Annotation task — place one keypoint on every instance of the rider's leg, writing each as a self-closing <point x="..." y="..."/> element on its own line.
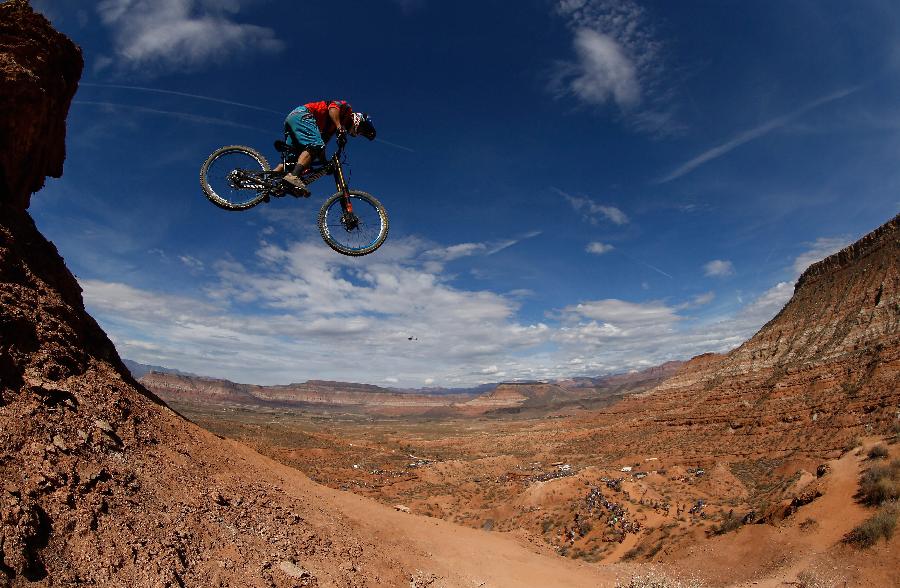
<point x="302" y="163"/>
<point x="293" y="177"/>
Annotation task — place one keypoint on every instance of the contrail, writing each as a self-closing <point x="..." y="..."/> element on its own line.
<point x="654" y="268"/>
<point x="751" y="134"/>
<point x="395" y="145"/>
<point x="184" y="94"/>
<point x="644" y="263"/>
<point x="211" y="99"/>
<point x="174" y="114"/>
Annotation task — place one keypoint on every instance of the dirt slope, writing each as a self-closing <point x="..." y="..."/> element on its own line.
<point x="103" y="485"/>
<point x="823" y="370"/>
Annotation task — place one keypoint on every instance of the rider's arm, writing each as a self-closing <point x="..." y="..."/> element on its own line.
<point x="335" y="113"/>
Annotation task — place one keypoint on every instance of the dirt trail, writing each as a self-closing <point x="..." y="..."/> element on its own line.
<point x="764" y="556"/>
<point x="445" y="553"/>
<point x="838" y="507"/>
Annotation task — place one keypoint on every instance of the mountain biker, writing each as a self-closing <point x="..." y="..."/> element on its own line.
<point x="307" y="128"/>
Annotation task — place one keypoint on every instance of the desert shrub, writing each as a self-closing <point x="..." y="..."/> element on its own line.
<point x="878" y="452"/>
<point x="546" y="526"/>
<point x="880" y="484"/>
<point x="585" y="526"/>
<point x="729" y="523"/>
<point x="633" y="553"/>
<point x="881" y="524"/>
<point x="809" y="524"/>
<point x="852" y="443"/>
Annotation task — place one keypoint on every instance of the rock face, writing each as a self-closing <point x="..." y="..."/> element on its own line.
<point x="39" y="72"/>
<point x="365" y="398"/>
<point x="826" y="368"/>
<point x="99" y="481"/>
<point x="312" y="394"/>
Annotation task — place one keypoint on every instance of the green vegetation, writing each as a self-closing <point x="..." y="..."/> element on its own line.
<point x="881" y="524"/>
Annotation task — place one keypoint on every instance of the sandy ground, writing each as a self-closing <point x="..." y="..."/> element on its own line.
<point x="455" y="555"/>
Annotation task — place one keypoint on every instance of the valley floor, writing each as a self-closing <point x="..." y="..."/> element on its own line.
<point x="503" y="503"/>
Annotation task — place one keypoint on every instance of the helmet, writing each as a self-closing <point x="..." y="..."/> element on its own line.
<point x="362" y="125"/>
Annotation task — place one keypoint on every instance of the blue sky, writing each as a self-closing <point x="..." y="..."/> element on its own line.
<point x="574" y="187"/>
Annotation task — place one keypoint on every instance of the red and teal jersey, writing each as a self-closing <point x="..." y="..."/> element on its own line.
<point x="323" y="119"/>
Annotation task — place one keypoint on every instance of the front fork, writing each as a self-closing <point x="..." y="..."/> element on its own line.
<point x="341" y="184"/>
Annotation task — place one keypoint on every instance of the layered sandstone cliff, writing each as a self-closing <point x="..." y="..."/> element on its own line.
<point x="825" y="369"/>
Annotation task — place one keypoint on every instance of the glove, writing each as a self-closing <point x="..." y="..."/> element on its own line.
<point x="341" y="137"/>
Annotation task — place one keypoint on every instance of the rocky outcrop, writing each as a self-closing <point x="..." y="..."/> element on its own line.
<point x="823" y="370"/>
<point x="39" y="72"/>
<point x="100" y="483"/>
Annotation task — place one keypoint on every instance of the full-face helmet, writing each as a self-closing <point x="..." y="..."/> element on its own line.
<point x="362" y="125"/>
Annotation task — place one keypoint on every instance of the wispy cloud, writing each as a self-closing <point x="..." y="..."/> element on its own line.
<point x="182" y="94"/>
<point x="598" y="248"/>
<point x="180" y="35"/>
<point x="752" y="134"/>
<point x="185" y="116"/>
<point x="618" y="60"/>
<point x="593" y="211"/>
<point x="718" y="268"/>
<point x="459" y="250"/>
<point x="301" y="300"/>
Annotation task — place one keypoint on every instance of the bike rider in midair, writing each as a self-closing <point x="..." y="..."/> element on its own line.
<point x="307" y="128"/>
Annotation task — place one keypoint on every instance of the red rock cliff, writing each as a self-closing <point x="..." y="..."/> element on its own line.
<point x="100" y="484"/>
<point x="39" y="73"/>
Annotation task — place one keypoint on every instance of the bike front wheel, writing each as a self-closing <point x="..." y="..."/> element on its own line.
<point x="231" y="177"/>
<point x="355" y="233"/>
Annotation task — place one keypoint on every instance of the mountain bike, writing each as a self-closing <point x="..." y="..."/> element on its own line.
<point x="351" y="222"/>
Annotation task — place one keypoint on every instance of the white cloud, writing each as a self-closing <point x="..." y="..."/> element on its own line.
<point x="718" y="268"/>
<point x="702" y="299"/>
<point x="603" y="72"/>
<point x="623" y="313"/>
<point x="459" y="250"/>
<point x="191" y="262"/>
<point x="618" y="60"/>
<point x="303" y="302"/>
<point x="181" y="34"/>
<point x="287" y="314"/>
<point x="593" y="211"/>
<point x="598" y="248"/>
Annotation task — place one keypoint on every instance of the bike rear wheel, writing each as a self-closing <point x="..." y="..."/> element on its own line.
<point x="230" y="177"/>
<point x="359" y="233"/>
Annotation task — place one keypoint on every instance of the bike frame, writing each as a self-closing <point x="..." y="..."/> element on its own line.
<point x="332" y="167"/>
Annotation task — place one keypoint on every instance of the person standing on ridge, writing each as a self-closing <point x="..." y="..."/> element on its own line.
<point x="307" y="128"/>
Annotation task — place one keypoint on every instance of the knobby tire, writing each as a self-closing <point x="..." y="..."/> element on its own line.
<point x="220" y="201"/>
<point x="336" y="244"/>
